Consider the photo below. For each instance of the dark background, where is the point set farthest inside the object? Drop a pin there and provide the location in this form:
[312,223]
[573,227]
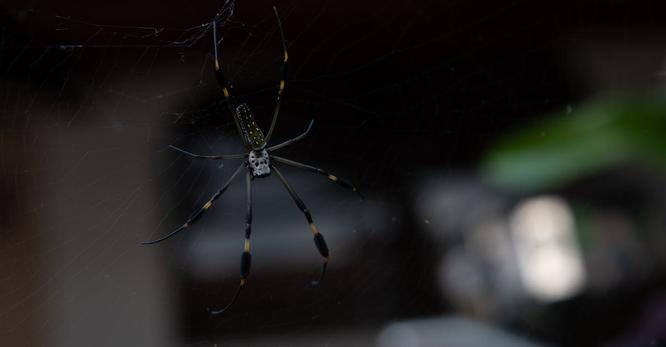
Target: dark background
[408,98]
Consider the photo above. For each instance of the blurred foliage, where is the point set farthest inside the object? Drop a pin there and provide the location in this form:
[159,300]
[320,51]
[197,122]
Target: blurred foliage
[579,142]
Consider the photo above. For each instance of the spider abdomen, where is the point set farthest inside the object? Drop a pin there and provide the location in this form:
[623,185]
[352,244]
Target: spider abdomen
[259,163]
[249,128]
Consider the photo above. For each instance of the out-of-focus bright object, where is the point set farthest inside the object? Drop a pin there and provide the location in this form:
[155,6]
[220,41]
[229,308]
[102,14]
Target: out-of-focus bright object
[548,255]
[449,331]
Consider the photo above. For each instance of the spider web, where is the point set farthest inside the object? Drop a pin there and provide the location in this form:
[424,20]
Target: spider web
[92,95]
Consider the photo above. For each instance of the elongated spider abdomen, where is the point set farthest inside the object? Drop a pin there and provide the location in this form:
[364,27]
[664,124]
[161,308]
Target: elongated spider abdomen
[259,163]
[249,128]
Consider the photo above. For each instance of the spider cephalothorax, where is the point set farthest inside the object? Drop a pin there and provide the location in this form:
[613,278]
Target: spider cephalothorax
[258,162]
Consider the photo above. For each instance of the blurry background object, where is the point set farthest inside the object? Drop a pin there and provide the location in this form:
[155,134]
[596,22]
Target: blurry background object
[598,136]
[448,332]
[542,230]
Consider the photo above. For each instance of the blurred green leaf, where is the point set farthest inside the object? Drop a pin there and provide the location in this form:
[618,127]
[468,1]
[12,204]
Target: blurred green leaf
[595,136]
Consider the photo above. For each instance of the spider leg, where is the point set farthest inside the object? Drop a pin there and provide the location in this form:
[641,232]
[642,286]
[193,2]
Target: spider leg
[294,140]
[283,81]
[226,88]
[333,178]
[199,213]
[229,156]
[318,237]
[246,257]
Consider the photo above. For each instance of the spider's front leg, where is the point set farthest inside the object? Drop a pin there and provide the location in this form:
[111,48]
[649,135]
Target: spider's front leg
[246,257]
[340,181]
[190,221]
[318,237]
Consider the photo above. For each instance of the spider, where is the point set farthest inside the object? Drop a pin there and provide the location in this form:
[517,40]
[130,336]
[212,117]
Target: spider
[258,163]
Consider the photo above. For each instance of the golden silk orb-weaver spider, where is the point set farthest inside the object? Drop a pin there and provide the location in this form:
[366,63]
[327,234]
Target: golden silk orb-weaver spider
[258,163]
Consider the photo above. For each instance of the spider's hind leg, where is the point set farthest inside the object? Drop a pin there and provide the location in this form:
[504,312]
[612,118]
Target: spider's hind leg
[283,79]
[318,237]
[294,140]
